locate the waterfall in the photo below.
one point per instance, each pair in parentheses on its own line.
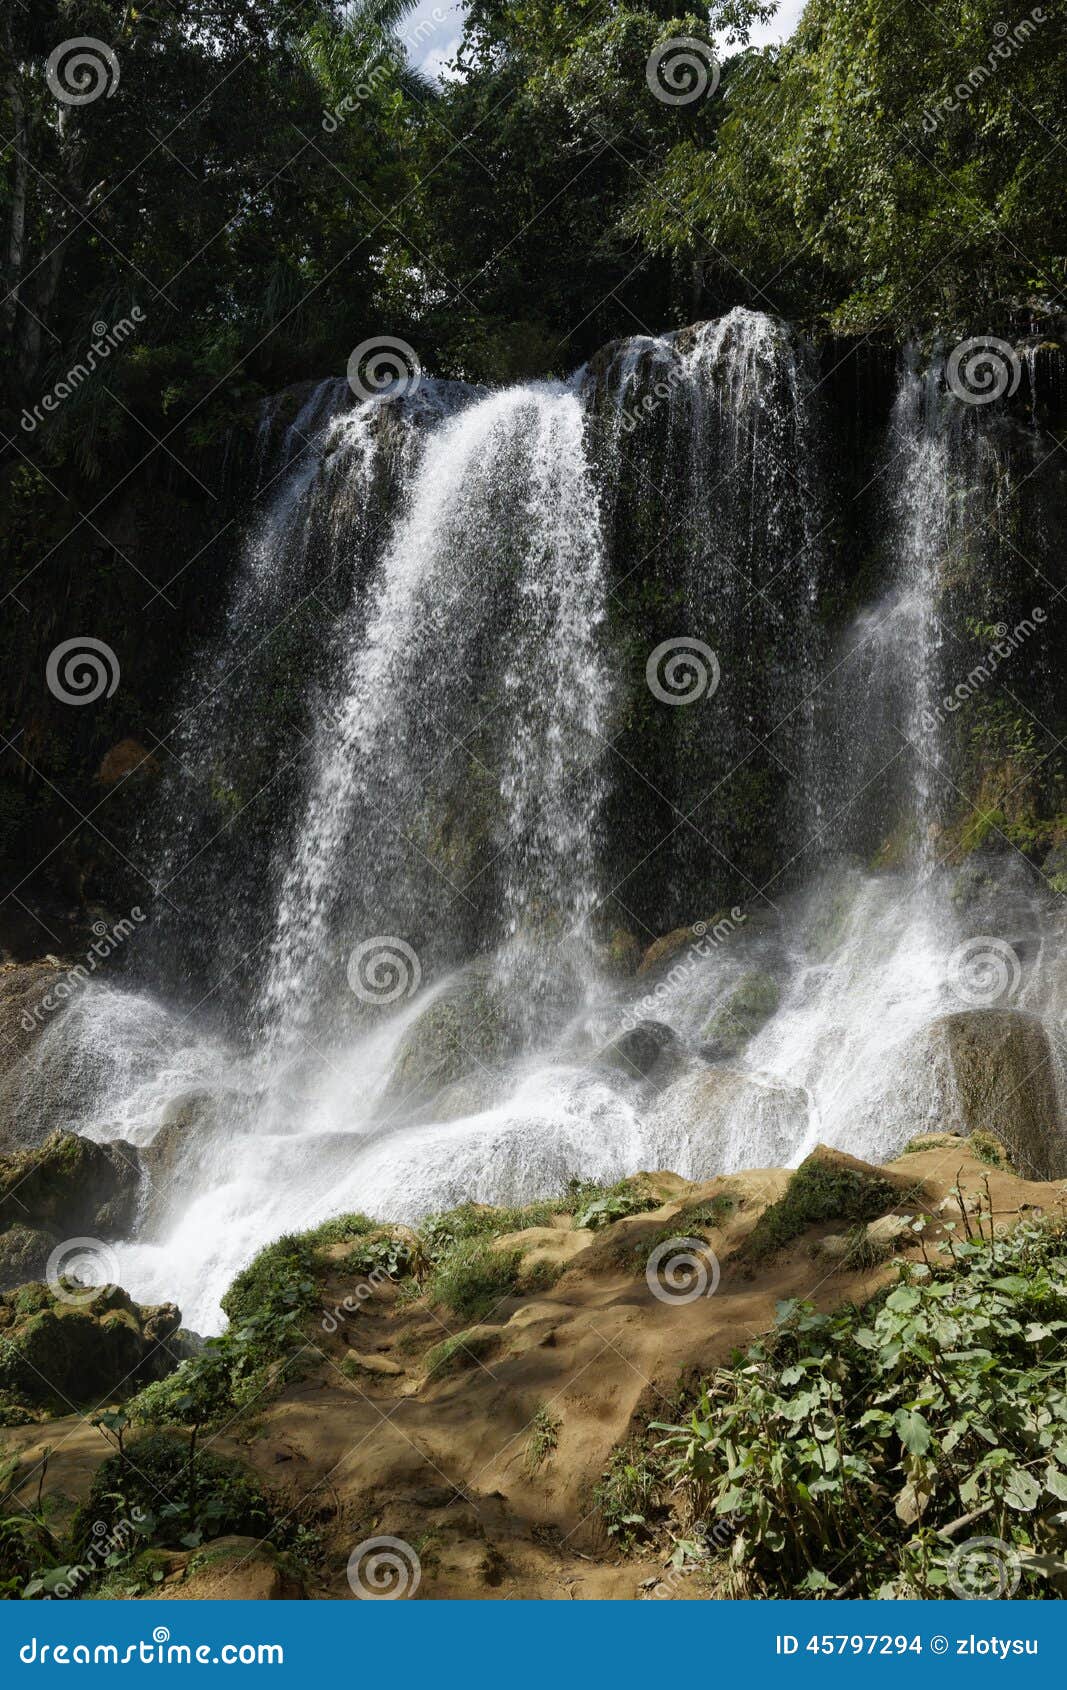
(473,680)
(714,461)
(421,777)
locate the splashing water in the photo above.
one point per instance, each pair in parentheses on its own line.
(429,594)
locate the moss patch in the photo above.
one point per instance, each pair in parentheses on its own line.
(824,1188)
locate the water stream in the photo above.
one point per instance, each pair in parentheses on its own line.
(391,849)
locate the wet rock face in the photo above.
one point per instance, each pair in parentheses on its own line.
(751,1003)
(67,1344)
(636,1053)
(26,990)
(722,1117)
(66,1187)
(1003,1068)
(462,1032)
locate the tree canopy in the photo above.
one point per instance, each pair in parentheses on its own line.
(269,184)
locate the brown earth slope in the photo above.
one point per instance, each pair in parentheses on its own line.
(485,1462)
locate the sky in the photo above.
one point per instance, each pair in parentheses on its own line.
(433,27)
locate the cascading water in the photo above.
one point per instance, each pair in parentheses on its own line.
(477,664)
(383,982)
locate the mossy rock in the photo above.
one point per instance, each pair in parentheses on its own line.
(56,1353)
(637,1052)
(1005,1078)
(749,1006)
(461,1030)
(661,952)
(72,1186)
(24,1253)
(831,907)
(828,1186)
(622,954)
(25,991)
(1054,868)
(980,877)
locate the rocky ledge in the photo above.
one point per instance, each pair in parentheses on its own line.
(486,1389)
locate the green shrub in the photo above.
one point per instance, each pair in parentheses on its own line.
(472,1278)
(338,1230)
(838,1447)
(462,1350)
(819,1190)
(150,1484)
(544,1436)
(594,1206)
(473,1220)
(384,1252)
(629,1495)
(280,1280)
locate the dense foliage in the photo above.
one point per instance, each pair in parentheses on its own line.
(261,188)
(268,183)
(854,1453)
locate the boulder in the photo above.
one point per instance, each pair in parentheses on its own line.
(25,997)
(125,760)
(888,1229)
(661,950)
(737,1020)
(622,954)
(184,1124)
(24,1253)
(70,1186)
(725,1118)
(829,908)
(471,1095)
(354,1362)
(68,1344)
(637,1052)
(980,878)
(230,1569)
(1004,1081)
(463,1030)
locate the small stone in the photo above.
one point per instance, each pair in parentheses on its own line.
(372,1364)
(835,1247)
(950,1206)
(888,1228)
